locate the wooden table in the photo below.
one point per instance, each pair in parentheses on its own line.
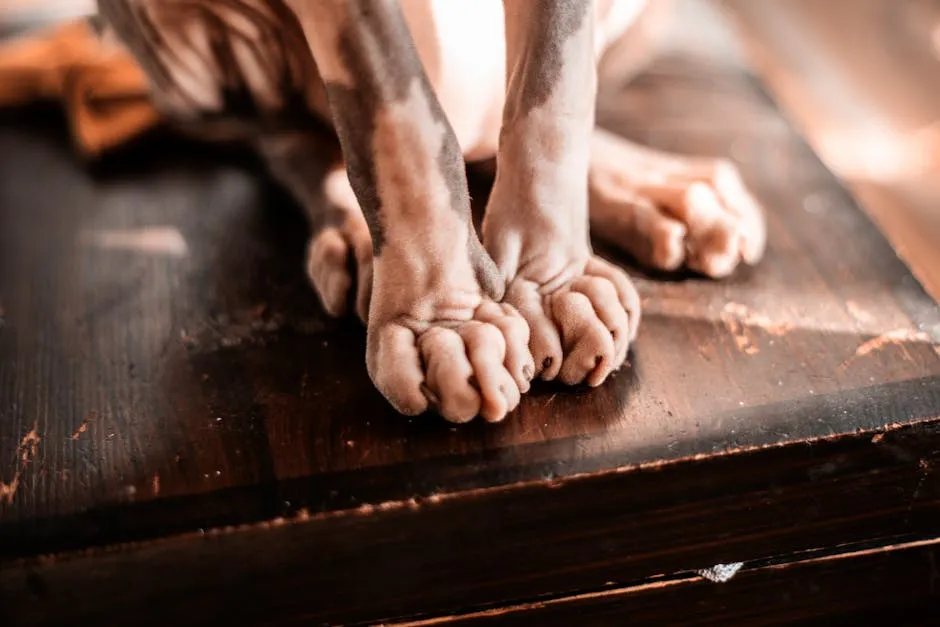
(861,80)
(186,438)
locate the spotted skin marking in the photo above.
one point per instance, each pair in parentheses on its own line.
(381,81)
(582,312)
(544,57)
(436,337)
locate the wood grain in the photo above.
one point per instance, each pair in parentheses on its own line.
(489,548)
(180,421)
(845,589)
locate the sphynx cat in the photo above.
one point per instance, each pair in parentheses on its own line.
(415,90)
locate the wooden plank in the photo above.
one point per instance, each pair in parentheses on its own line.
(899,585)
(166,373)
(488,547)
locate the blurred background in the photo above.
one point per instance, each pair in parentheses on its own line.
(17,15)
(859,78)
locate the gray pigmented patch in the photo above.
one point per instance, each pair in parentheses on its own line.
(382,80)
(355,128)
(485,269)
(554,22)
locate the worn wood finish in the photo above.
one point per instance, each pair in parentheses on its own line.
(491,548)
(898,585)
(189,400)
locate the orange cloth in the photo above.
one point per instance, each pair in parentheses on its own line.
(102,89)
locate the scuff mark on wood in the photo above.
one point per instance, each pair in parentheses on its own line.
(804,312)
(25,453)
(251,326)
(29,445)
(82,428)
(895,337)
(751,319)
(739,320)
(742,340)
(8,490)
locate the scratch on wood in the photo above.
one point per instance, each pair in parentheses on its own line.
(749,318)
(741,339)
(241,327)
(658,583)
(895,337)
(7,490)
(737,319)
(81,429)
(29,445)
(804,312)
(25,453)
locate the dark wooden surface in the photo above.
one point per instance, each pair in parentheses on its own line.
(884,586)
(481,549)
(190,437)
